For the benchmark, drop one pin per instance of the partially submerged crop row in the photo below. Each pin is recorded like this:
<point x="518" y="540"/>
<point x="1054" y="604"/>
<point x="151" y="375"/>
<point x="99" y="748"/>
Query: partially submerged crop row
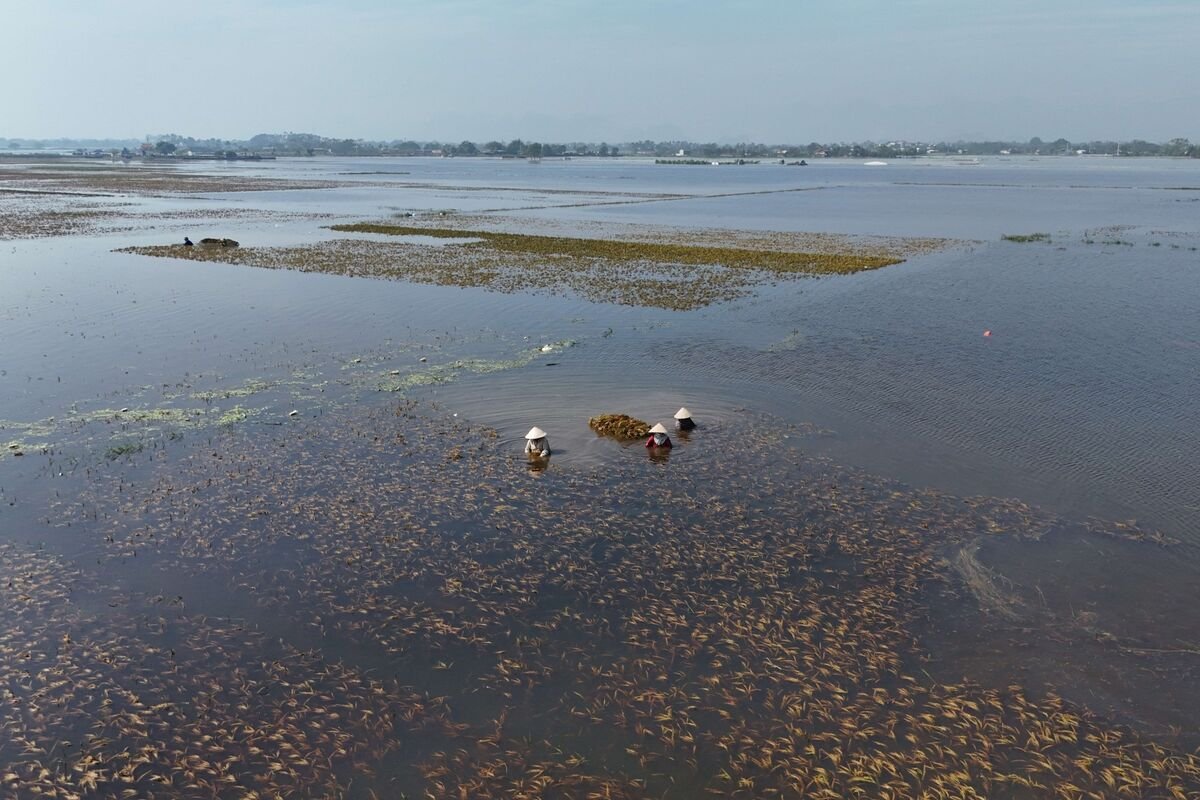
<point x="615" y="637"/>
<point x="601" y="280"/>
<point x="662" y="275"/>
<point x="143" y="180"/>
<point x="654" y="252"/>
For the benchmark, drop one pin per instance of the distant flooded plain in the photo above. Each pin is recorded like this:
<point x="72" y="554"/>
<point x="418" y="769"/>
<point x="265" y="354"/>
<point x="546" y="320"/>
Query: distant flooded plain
<point x="266" y="528"/>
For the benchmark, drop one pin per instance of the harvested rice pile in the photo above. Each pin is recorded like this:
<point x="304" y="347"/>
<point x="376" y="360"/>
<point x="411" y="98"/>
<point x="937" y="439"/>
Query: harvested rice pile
<point x="619" y="426"/>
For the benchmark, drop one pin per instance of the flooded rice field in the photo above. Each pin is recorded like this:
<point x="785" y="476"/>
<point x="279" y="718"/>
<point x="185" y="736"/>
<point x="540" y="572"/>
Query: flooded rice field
<point x="271" y="533"/>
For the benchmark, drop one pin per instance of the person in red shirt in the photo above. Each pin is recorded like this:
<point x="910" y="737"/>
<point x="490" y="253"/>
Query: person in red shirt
<point x="658" y="437"/>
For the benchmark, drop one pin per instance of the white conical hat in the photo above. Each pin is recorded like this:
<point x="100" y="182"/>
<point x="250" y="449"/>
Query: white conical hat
<point x="658" y="428"/>
<point x="535" y="433"/>
<point x="683" y="413"/>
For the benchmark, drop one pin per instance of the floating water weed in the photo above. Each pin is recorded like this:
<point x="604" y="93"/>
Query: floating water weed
<point x="20" y="448"/>
<point x="250" y="387"/>
<point x="234" y="415"/>
<point x="396" y="381"/>
<point x="80" y="426"/>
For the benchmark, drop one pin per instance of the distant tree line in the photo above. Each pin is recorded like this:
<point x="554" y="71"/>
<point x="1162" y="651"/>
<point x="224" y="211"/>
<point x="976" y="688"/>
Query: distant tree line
<point x="311" y="144"/>
<point x="1036" y="146"/>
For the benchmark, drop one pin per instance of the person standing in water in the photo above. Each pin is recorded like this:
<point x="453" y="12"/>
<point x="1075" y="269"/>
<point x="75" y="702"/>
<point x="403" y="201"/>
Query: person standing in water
<point x="658" y="437"/>
<point x="683" y="420"/>
<point x="536" y="442"/>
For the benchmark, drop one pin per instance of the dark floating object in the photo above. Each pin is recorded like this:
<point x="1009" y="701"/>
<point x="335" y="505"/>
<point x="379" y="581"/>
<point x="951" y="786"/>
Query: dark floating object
<point x="219" y="242"/>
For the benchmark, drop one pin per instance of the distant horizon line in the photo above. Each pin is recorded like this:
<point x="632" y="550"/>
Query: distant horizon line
<point x="724" y="142"/>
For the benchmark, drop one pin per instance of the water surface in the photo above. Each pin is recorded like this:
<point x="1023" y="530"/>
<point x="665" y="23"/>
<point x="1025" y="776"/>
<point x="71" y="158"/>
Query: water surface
<point x="121" y="376"/>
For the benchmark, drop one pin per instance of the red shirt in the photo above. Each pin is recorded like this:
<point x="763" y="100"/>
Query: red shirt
<point x="666" y="442"/>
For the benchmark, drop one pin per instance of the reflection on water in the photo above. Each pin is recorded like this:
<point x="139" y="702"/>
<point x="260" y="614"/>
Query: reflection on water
<point x="658" y="455"/>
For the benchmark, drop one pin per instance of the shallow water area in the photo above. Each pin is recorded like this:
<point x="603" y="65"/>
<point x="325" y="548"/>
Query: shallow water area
<point x="895" y="552"/>
<point x="1123" y="641"/>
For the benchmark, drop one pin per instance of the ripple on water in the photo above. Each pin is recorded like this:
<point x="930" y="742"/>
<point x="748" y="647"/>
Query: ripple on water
<point x="1079" y="396"/>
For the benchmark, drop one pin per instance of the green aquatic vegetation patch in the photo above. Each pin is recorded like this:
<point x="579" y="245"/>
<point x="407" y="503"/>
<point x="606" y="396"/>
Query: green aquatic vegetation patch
<point x="19" y="447"/>
<point x="444" y="373"/>
<point x="76" y="426"/>
<point x="429" y="377"/>
<point x="1024" y="238"/>
<point x="900" y="247"/>
<point x="668" y="286"/>
<point x="679" y="274"/>
<point x="246" y="389"/>
<point x="126" y="449"/>
<point x="624" y="251"/>
<point x="38" y="429"/>
<point x="173" y="416"/>
<point x="234" y="415"/>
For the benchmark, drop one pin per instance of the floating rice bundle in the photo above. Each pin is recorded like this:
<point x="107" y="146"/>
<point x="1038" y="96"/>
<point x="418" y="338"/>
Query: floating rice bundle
<point x="619" y="426"/>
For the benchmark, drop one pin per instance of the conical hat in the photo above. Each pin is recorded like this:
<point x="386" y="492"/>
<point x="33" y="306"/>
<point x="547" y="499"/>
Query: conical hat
<point x="658" y="428"/>
<point x="535" y="433"/>
<point x="683" y="413"/>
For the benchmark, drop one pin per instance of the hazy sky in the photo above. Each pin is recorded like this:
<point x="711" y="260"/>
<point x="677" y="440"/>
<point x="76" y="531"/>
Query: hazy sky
<point x="564" y="70"/>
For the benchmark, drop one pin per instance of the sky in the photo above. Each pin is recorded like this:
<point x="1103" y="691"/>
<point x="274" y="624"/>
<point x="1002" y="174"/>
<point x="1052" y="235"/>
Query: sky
<point x="775" y="71"/>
